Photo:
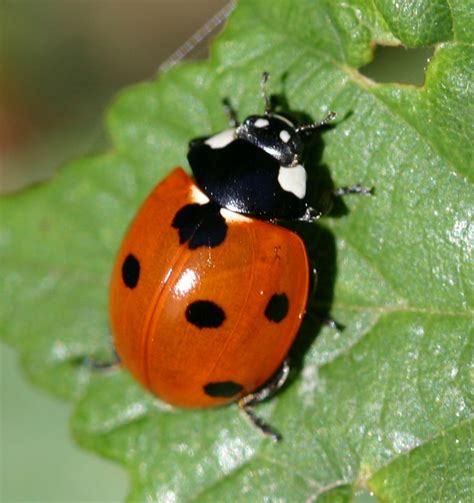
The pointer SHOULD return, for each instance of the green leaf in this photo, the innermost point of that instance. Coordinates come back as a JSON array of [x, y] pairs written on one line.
[[387, 403], [418, 23], [420, 471]]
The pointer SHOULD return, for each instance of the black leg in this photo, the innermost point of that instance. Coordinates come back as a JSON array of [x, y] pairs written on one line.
[[311, 215], [331, 323], [247, 402], [113, 364], [326, 201], [231, 113], [325, 319], [353, 189]]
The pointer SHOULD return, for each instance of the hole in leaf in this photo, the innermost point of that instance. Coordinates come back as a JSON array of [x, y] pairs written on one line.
[[398, 64]]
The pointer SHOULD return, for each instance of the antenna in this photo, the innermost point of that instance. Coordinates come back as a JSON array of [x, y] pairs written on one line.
[[263, 86], [311, 127]]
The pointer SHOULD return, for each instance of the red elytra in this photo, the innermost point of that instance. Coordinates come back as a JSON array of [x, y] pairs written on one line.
[[203, 326]]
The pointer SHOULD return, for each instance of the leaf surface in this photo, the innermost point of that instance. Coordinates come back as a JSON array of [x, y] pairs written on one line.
[[387, 403]]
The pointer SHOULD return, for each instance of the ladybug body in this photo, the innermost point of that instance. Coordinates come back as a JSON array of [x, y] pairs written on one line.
[[208, 292], [204, 302]]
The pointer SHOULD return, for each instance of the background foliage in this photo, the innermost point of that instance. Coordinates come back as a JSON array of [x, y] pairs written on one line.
[[384, 405]]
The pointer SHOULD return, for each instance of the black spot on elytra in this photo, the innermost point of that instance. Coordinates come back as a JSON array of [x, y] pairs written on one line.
[[277, 307], [131, 271], [222, 388], [205, 314], [200, 225]]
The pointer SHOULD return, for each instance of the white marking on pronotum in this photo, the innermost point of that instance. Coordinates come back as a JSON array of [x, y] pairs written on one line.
[[221, 140], [293, 180], [261, 123], [198, 196], [284, 136], [232, 216]]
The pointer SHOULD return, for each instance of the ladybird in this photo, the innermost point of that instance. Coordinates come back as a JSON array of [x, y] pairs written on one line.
[[208, 291]]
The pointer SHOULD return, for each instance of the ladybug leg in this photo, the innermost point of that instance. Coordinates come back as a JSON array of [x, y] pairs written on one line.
[[311, 214], [231, 113], [323, 319], [327, 199], [353, 189], [331, 323], [247, 402], [326, 320], [113, 364]]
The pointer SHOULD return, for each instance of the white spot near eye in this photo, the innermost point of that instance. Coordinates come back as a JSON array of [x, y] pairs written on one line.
[[284, 136], [261, 123], [293, 180], [221, 140]]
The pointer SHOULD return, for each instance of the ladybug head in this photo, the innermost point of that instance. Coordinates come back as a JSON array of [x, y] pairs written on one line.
[[255, 168], [276, 134]]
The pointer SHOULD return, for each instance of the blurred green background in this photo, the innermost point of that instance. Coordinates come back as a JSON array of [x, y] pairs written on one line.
[[61, 62]]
